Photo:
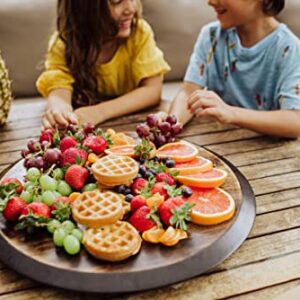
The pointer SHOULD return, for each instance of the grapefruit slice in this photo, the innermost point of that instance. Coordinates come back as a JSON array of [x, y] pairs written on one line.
[[209, 179], [212, 206], [181, 151], [127, 150], [196, 165]]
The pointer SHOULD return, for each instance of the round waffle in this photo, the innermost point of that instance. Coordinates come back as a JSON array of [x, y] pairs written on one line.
[[95, 208], [112, 170], [113, 242]]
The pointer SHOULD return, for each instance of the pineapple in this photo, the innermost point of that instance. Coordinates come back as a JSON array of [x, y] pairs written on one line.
[[5, 92]]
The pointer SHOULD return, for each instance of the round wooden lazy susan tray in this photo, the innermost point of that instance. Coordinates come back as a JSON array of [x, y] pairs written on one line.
[[155, 265]]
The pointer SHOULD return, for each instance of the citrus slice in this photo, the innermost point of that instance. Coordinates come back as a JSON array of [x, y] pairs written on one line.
[[181, 151], [212, 206], [209, 179], [196, 165], [127, 150]]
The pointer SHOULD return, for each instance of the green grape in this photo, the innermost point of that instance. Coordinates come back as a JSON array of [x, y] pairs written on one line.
[[89, 187], [56, 194], [78, 234], [47, 183], [33, 174], [71, 245], [37, 198], [29, 186], [68, 226], [63, 188], [59, 236], [27, 196], [53, 225], [58, 174], [48, 197]]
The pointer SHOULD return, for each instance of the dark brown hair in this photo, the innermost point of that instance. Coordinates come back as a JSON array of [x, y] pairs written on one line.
[[84, 26], [273, 7]]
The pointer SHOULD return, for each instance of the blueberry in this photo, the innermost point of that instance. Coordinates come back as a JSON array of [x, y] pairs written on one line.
[[127, 191], [121, 189], [141, 160], [164, 159], [148, 174], [170, 163], [128, 197], [153, 172], [156, 159], [142, 170], [187, 192]]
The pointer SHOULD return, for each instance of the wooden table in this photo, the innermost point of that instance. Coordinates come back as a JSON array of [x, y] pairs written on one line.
[[266, 266]]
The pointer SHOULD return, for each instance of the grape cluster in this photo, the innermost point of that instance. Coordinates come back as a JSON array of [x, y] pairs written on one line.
[[159, 131]]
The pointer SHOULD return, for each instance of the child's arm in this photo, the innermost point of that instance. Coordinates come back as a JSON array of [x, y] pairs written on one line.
[[147, 94], [285, 123], [179, 104], [59, 109]]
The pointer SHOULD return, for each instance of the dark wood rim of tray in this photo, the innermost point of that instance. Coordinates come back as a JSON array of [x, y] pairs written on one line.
[[143, 280]]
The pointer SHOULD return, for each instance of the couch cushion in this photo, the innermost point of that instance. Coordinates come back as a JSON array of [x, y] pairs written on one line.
[[25, 27], [176, 24]]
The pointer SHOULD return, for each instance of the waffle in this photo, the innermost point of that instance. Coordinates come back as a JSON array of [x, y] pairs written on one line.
[[96, 208], [112, 170], [113, 242]]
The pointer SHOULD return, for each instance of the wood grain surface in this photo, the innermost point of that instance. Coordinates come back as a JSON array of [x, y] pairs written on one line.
[[266, 266]]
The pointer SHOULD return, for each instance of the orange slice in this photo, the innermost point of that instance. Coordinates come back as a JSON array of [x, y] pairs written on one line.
[[124, 150], [181, 151], [153, 235], [172, 236], [213, 206], [196, 165], [209, 179]]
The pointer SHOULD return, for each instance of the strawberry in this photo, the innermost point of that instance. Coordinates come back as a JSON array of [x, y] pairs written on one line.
[[66, 143], [96, 143], [138, 185], [164, 177], [61, 208], [137, 202], [47, 135], [72, 155], [38, 209], [159, 188], [175, 211], [14, 208], [19, 186], [76, 176], [142, 219]]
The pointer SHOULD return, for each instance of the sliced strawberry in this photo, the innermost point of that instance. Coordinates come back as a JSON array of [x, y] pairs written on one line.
[[96, 143], [138, 185], [164, 177], [137, 202], [14, 208]]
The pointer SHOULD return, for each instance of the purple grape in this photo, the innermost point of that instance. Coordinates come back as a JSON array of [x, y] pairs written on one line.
[[176, 128], [160, 140], [39, 162], [89, 127], [33, 146], [170, 139], [152, 120], [171, 119], [52, 156], [164, 127], [45, 144], [24, 153], [151, 137], [143, 130], [73, 128]]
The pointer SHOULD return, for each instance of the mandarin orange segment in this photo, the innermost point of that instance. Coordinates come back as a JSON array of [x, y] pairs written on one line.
[[209, 179], [92, 158], [181, 151], [172, 236], [212, 206], [153, 235], [155, 200]]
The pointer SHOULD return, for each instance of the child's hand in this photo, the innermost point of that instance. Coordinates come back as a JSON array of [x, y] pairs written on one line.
[[60, 114], [91, 114], [207, 103]]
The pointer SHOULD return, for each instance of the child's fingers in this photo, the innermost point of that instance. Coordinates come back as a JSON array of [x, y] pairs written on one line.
[[72, 117], [50, 119], [200, 103], [46, 123], [59, 118], [195, 96], [210, 111]]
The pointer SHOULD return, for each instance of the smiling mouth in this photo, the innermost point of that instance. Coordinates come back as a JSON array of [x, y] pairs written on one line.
[[220, 12], [125, 24]]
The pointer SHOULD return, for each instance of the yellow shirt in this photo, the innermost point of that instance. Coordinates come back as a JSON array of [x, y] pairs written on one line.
[[136, 59]]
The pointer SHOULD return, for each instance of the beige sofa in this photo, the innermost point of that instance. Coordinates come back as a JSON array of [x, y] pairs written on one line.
[[25, 27]]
